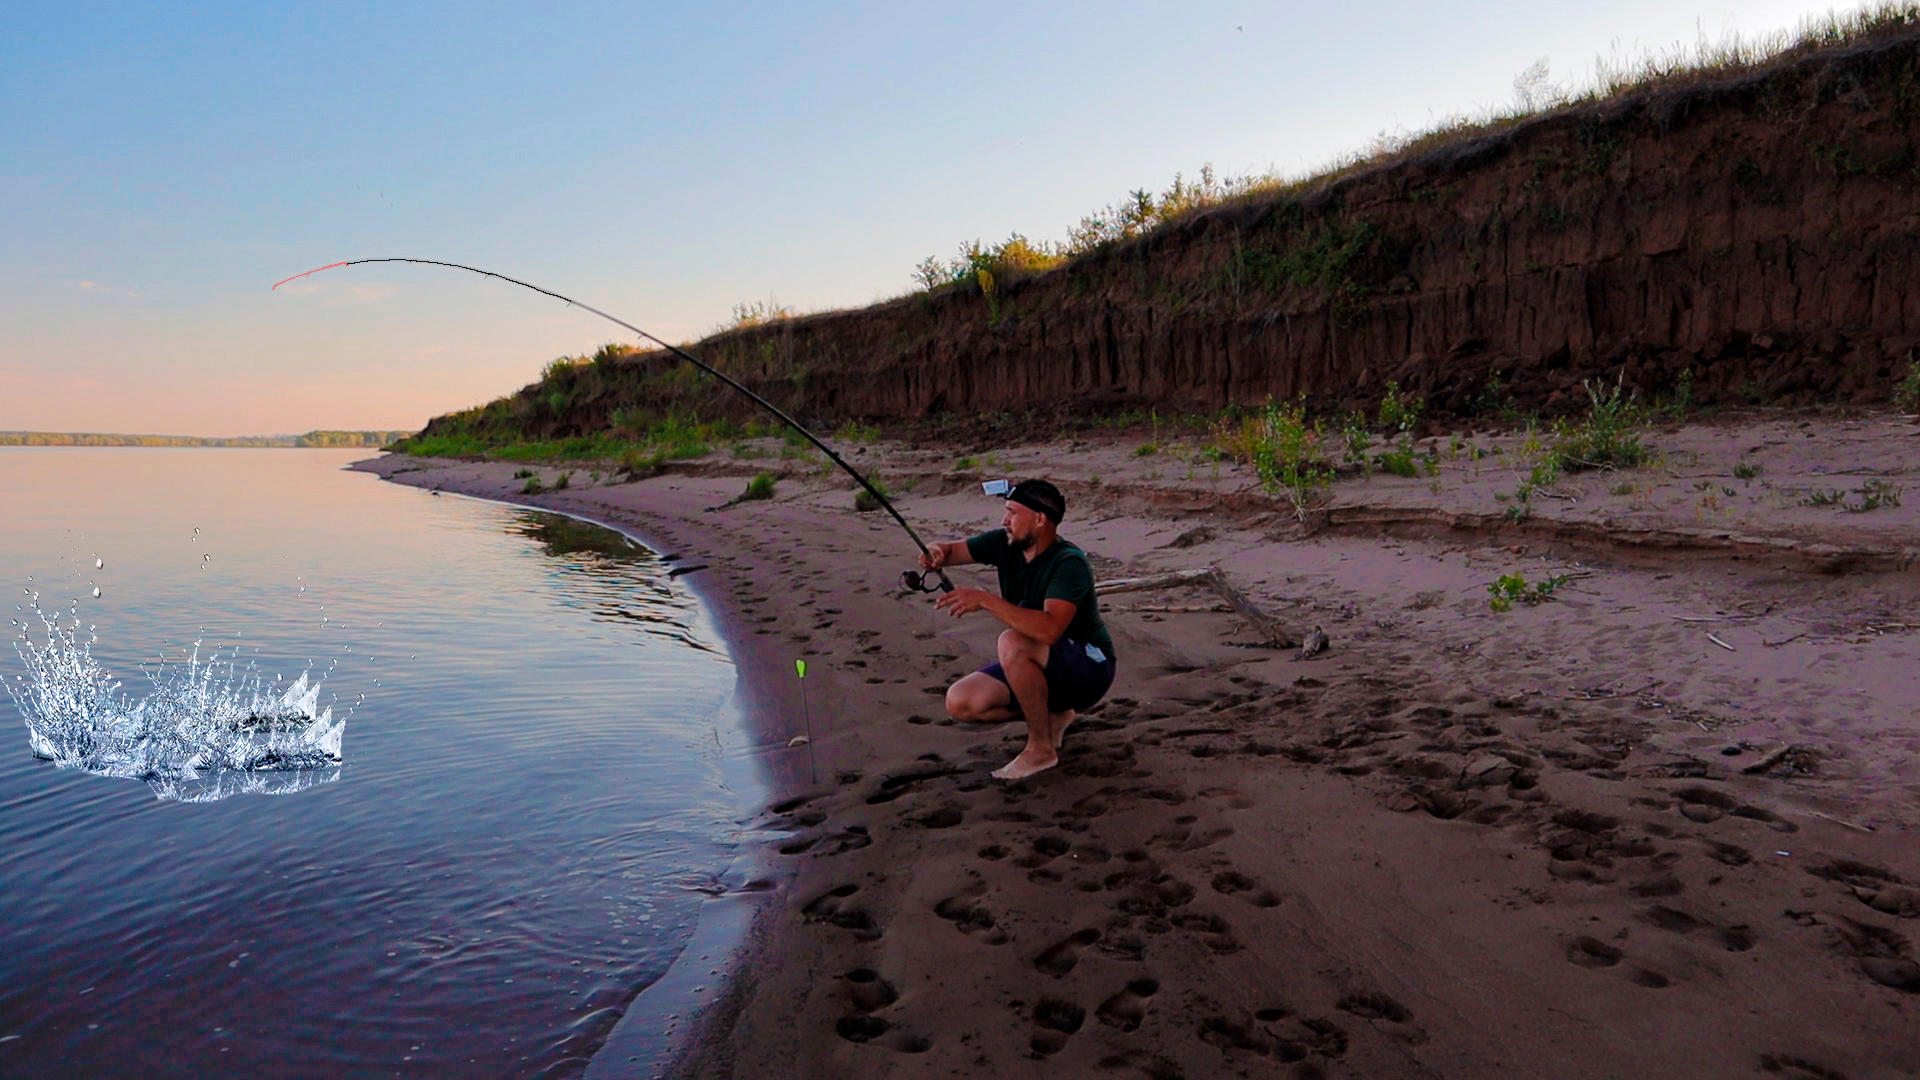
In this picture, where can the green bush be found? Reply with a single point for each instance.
(863, 500)
(1284, 450)
(565, 481)
(639, 465)
(1511, 587)
(532, 486)
(1397, 462)
(1906, 393)
(760, 487)
(1608, 438)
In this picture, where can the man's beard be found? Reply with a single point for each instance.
(1019, 543)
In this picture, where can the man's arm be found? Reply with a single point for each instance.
(1045, 627)
(945, 553)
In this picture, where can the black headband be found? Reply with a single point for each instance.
(1037, 502)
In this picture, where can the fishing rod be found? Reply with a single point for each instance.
(908, 579)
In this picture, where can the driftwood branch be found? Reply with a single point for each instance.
(1212, 578)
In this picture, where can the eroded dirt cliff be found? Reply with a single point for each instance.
(1757, 234)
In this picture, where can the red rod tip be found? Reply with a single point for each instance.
(297, 277)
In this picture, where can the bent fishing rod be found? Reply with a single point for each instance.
(908, 579)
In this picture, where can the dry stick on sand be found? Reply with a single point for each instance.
(1214, 579)
(1722, 644)
(1842, 821)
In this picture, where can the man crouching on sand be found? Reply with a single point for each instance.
(1056, 656)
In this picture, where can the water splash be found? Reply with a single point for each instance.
(207, 730)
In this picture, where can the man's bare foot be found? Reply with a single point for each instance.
(1028, 763)
(1060, 721)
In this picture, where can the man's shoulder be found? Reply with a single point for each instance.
(989, 547)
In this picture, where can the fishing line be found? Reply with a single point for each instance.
(909, 579)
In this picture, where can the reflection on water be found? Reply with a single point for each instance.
(531, 791)
(597, 556)
(559, 535)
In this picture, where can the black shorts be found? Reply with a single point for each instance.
(1075, 680)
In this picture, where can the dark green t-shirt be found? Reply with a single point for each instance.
(1061, 572)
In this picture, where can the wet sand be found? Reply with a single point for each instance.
(1578, 839)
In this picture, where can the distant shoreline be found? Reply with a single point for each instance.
(312, 440)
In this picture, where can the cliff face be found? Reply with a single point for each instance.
(1759, 233)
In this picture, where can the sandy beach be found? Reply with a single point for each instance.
(1658, 825)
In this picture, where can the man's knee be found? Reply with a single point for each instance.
(1015, 645)
(974, 696)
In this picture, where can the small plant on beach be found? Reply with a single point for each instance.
(1874, 494)
(852, 431)
(1400, 412)
(1146, 450)
(1906, 392)
(760, 487)
(863, 500)
(1746, 471)
(1503, 593)
(1284, 450)
(1355, 439)
(522, 474)
(638, 466)
(564, 481)
(964, 464)
(1608, 438)
(1397, 462)
(532, 486)
(1829, 497)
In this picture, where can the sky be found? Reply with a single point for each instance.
(165, 164)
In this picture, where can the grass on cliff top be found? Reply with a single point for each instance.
(1535, 94)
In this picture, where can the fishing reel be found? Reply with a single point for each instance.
(917, 581)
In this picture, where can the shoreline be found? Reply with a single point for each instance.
(728, 920)
(1460, 843)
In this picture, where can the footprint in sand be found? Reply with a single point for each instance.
(1374, 1007)
(1185, 838)
(1060, 958)
(893, 787)
(1241, 887)
(971, 917)
(1672, 920)
(1705, 805)
(1882, 953)
(1590, 952)
(1797, 1068)
(1727, 854)
(945, 817)
(874, 1029)
(1232, 1033)
(835, 907)
(1383, 1010)
(1878, 888)
(868, 991)
(1213, 931)
(1054, 1022)
(1045, 850)
(1127, 1009)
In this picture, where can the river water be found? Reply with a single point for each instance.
(527, 811)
